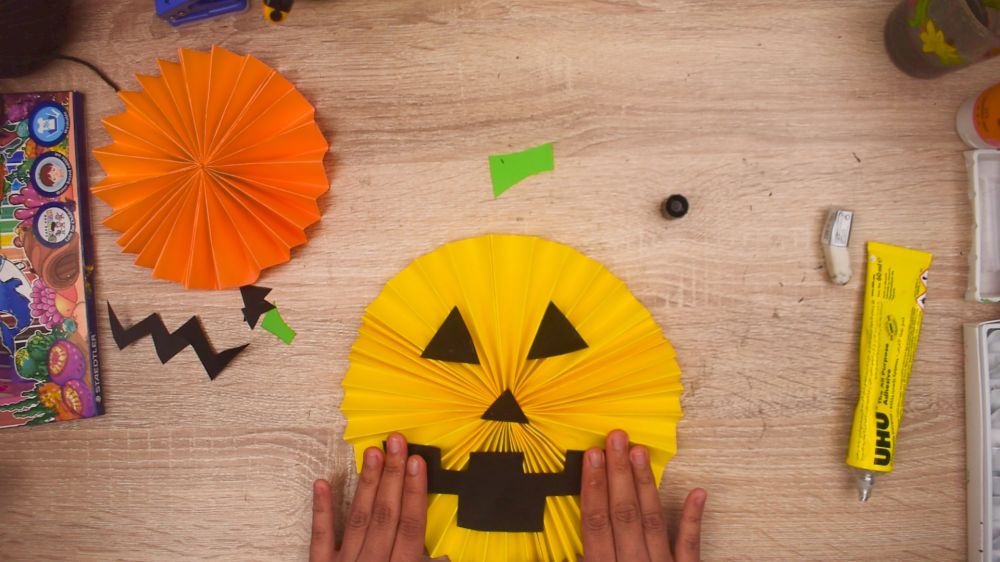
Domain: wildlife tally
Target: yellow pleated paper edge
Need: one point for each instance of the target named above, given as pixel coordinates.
(627, 378)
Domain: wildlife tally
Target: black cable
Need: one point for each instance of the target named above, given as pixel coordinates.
(100, 73)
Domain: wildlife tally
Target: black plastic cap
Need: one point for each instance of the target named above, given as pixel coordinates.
(674, 207)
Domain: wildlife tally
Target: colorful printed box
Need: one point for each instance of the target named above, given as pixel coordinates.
(49, 369)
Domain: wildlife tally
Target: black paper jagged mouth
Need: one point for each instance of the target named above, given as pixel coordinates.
(495, 494)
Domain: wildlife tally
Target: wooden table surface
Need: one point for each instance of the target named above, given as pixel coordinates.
(764, 113)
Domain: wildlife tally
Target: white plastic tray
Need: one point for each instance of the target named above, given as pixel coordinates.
(984, 192)
(979, 444)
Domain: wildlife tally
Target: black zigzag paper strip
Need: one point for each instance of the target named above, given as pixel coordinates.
(254, 305)
(168, 344)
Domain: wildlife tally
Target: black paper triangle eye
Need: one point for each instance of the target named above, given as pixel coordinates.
(555, 336)
(452, 342)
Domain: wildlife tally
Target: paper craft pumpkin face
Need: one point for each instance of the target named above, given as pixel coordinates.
(501, 358)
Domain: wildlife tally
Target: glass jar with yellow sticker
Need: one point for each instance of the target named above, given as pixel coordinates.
(928, 38)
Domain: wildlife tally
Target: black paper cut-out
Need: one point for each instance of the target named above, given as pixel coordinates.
(254, 305)
(452, 342)
(168, 344)
(505, 409)
(555, 336)
(494, 493)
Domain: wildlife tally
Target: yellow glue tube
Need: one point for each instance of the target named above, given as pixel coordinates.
(895, 289)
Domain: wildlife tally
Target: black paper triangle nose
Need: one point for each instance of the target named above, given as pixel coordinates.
(452, 342)
(505, 409)
(555, 336)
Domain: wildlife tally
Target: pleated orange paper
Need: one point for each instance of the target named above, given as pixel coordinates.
(214, 171)
(622, 374)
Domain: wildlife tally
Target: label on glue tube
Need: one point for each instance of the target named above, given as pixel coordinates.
(895, 290)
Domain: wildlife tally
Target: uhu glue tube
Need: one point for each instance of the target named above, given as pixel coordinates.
(895, 289)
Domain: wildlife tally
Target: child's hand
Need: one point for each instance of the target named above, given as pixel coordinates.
(622, 518)
(388, 515)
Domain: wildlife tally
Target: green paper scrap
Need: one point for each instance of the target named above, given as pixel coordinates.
(506, 170)
(274, 323)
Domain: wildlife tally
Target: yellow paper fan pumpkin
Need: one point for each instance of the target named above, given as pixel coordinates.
(450, 335)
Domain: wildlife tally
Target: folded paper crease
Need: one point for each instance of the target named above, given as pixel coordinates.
(213, 171)
(563, 353)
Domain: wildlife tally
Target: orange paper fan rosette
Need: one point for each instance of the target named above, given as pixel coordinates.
(214, 171)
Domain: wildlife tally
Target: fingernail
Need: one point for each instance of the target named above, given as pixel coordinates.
(619, 441)
(639, 457)
(700, 499)
(371, 458)
(413, 466)
(596, 458)
(395, 444)
(318, 487)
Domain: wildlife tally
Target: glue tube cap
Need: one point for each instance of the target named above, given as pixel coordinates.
(674, 207)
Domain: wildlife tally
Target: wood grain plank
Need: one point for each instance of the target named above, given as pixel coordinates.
(762, 112)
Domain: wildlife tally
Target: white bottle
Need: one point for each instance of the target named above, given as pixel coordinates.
(978, 119)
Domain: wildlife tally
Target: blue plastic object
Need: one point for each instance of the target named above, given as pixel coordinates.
(180, 12)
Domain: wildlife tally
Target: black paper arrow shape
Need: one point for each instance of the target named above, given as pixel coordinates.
(168, 344)
(254, 305)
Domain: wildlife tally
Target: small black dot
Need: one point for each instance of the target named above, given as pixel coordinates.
(674, 207)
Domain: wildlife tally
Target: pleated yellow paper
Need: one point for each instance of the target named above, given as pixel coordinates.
(626, 378)
(214, 169)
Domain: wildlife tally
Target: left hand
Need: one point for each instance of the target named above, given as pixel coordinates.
(388, 515)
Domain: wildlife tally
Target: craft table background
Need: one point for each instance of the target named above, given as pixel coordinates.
(764, 113)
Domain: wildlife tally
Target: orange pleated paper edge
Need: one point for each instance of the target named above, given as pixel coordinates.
(214, 169)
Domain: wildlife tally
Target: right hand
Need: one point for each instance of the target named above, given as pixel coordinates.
(621, 516)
